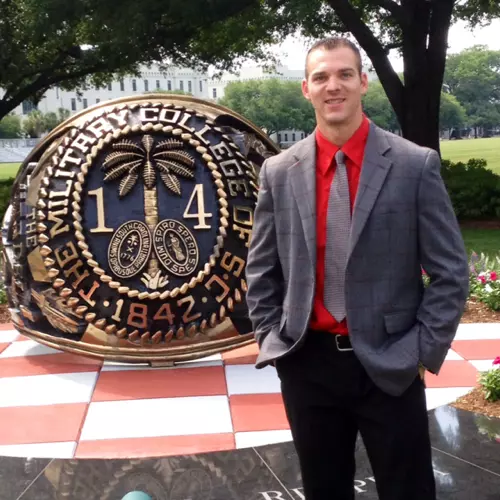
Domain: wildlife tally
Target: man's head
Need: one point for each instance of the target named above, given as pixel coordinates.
(335, 82)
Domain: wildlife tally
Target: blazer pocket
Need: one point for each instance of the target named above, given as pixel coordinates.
(400, 321)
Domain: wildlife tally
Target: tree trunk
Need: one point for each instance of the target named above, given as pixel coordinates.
(4, 109)
(420, 119)
(151, 215)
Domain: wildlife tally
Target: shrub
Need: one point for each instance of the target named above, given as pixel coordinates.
(490, 382)
(5, 192)
(474, 190)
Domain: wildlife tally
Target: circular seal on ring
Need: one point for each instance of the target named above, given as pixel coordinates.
(129, 249)
(176, 247)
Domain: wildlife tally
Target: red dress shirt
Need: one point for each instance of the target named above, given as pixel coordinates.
(354, 150)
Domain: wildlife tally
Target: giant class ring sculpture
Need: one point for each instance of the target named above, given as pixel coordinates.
(128, 229)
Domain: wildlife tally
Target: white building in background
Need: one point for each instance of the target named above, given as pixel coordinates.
(197, 83)
(151, 79)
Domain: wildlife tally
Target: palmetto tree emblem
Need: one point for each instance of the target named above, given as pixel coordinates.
(166, 158)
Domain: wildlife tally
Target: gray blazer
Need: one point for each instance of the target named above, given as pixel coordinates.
(402, 220)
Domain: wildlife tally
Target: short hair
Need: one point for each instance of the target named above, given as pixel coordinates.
(332, 43)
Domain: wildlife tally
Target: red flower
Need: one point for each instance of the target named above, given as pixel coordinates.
(497, 361)
(493, 276)
(482, 279)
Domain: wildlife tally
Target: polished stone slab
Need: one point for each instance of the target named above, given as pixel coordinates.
(231, 475)
(456, 479)
(466, 459)
(466, 435)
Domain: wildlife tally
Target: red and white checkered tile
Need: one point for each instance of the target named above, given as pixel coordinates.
(55, 404)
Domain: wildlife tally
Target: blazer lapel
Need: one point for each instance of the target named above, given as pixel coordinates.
(303, 179)
(373, 174)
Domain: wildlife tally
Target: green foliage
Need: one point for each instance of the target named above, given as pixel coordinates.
(271, 104)
(484, 280)
(452, 114)
(10, 127)
(476, 12)
(5, 192)
(490, 383)
(36, 123)
(474, 190)
(414, 28)
(378, 108)
(473, 77)
(3, 294)
(52, 120)
(91, 42)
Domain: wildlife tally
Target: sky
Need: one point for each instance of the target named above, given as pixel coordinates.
(292, 52)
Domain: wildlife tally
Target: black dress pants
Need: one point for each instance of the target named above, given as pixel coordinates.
(329, 398)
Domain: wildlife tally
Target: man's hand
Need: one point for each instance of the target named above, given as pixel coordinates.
(421, 371)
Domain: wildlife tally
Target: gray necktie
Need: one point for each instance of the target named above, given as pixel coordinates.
(338, 226)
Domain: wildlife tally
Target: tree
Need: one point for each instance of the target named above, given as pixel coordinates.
(452, 114)
(473, 76)
(34, 125)
(10, 127)
(37, 122)
(71, 44)
(271, 104)
(418, 29)
(93, 37)
(377, 107)
(52, 120)
(486, 116)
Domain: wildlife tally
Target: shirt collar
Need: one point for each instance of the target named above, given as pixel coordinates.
(354, 148)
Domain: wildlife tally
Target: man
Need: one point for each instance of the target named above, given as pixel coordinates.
(345, 221)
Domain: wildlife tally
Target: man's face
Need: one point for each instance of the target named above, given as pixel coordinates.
(334, 86)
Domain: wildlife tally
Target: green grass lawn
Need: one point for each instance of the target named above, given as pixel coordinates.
(482, 240)
(463, 150)
(8, 170)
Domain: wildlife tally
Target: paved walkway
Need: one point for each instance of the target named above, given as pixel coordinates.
(55, 404)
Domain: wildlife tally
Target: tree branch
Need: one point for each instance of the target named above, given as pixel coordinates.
(395, 9)
(7, 105)
(56, 65)
(395, 45)
(375, 51)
